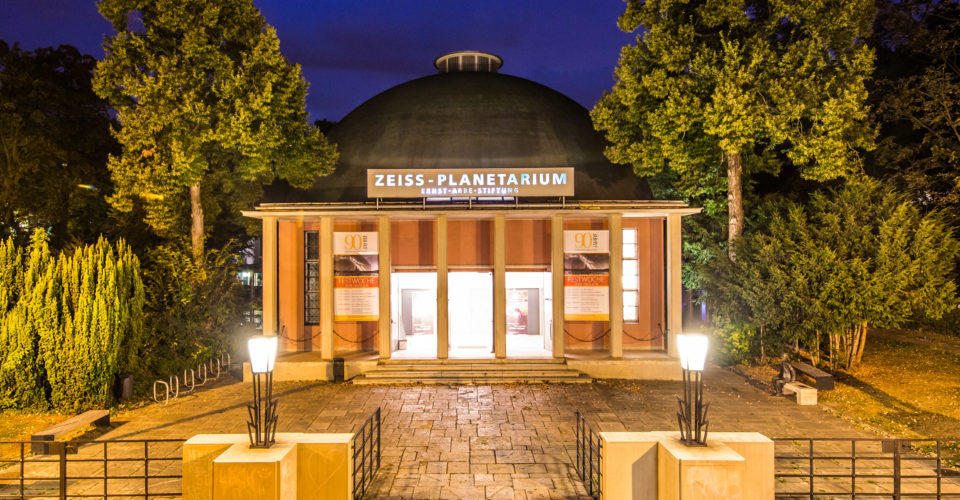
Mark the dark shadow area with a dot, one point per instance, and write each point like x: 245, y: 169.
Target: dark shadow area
x: 923, y: 422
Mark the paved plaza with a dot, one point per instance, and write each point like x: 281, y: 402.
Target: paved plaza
x: 499, y: 441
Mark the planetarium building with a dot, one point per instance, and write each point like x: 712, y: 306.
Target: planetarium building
x: 472, y: 223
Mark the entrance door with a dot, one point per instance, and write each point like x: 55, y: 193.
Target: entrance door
x: 471, y: 314
x: 413, y: 315
x: 529, y: 315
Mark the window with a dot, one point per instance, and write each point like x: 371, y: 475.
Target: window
x: 631, y: 276
x: 311, y: 277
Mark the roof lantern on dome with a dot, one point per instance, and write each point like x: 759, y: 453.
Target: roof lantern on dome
x: 468, y: 61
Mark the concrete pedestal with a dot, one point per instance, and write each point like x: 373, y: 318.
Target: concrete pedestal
x: 299, y: 466
x: 656, y: 465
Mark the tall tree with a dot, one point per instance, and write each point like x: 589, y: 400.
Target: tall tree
x: 918, y: 97
x: 209, y: 111
x: 741, y: 82
x: 54, y: 142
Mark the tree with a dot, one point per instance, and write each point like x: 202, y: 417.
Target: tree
x: 745, y: 82
x: 854, y: 257
x: 209, y: 111
x: 918, y: 98
x: 54, y: 141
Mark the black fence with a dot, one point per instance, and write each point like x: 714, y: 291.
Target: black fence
x: 149, y: 468
x: 589, y: 452
x: 366, y: 455
x: 812, y: 468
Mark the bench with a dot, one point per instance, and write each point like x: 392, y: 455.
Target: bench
x: 42, y: 440
x: 822, y: 380
x: 806, y: 395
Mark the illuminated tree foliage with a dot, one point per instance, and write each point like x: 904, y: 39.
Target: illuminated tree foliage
x: 820, y: 274
x: 209, y: 111
x: 745, y: 83
x: 69, y: 324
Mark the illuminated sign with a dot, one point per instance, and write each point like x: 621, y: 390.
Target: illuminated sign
x: 469, y: 182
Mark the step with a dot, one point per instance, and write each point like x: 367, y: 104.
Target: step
x: 471, y: 373
x: 504, y: 367
x: 363, y: 380
x: 473, y: 361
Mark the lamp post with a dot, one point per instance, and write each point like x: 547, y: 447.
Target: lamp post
x: 692, y: 416
x: 262, y: 423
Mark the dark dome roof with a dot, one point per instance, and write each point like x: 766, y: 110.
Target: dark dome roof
x: 473, y: 120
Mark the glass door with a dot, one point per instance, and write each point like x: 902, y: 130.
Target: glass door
x: 413, y: 315
x: 471, y: 314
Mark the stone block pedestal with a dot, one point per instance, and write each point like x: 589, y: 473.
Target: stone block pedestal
x: 657, y: 465
x: 299, y: 466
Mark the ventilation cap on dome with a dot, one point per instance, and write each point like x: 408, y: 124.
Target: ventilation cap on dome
x: 468, y: 61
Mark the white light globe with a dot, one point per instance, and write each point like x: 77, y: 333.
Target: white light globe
x: 693, y: 351
x: 263, y: 352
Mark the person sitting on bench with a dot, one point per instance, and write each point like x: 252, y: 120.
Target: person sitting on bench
x: 787, y: 374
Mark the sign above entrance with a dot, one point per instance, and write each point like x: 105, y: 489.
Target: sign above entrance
x: 469, y: 182
x: 355, y: 243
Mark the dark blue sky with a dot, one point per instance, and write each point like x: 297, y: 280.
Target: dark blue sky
x: 351, y: 50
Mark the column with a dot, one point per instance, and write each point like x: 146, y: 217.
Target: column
x: 383, y: 335
x: 269, y: 264
x: 443, y: 301
x: 674, y: 285
x: 326, y: 287
x: 615, y: 225
x: 556, y: 257
x: 499, y: 287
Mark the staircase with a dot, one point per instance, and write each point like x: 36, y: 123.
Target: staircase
x: 472, y: 371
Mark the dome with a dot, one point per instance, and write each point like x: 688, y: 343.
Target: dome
x: 470, y: 116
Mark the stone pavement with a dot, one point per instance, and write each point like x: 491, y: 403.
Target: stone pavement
x: 499, y: 441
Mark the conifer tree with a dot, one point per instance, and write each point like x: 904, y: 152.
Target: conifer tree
x: 739, y: 82
x: 209, y: 111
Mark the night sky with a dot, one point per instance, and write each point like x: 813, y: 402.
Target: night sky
x: 351, y: 50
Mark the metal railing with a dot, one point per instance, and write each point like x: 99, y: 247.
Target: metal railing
x: 211, y: 368
x: 844, y: 468
x: 366, y: 454
x: 150, y: 468
x: 589, y: 453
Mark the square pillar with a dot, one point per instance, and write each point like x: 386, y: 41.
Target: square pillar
x: 712, y: 472
x: 383, y: 335
x: 256, y: 473
x: 556, y: 260
x: 615, y: 225
x: 269, y: 269
x: 499, y: 287
x: 443, y: 300
x: 326, y: 287
x: 674, y: 265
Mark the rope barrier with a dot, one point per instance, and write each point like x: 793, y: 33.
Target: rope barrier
x: 372, y: 335
x: 283, y: 335
x: 574, y: 337
x: 647, y: 339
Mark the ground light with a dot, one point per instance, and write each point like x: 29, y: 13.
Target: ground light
x: 692, y: 416
x: 262, y: 423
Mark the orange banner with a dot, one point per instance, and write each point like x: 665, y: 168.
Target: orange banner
x: 586, y: 280
x: 356, y: 281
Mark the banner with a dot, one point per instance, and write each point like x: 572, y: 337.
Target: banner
x: 356, y: 293
x: 586, y: 275
x: 586, y: 297
x: 356, y: 298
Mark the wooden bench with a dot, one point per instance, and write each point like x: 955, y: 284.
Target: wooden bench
x: 806, y: 395
x: 822, y: 380
x: 43, y: 439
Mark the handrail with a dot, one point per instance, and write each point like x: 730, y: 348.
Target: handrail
x: 366, y: 454
x: 589, y: 455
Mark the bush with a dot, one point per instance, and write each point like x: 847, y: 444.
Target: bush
x: 70, y: 325
x: 194, y: 309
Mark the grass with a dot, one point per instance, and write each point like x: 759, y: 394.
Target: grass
x: 903, y: 389
x: 18, y: 426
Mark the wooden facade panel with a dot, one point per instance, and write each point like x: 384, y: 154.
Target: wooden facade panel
x: 413, y: 243
x: 528, y: 242
x: 470, y: 243
x: 651, y: 297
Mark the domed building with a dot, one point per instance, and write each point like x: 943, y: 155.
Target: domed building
x: 472, y: 216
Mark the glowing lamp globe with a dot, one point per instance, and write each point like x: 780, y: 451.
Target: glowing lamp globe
x: 263, y: 353
x: 693, y: 351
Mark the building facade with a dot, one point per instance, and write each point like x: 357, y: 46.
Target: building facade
x: 472, y: 215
